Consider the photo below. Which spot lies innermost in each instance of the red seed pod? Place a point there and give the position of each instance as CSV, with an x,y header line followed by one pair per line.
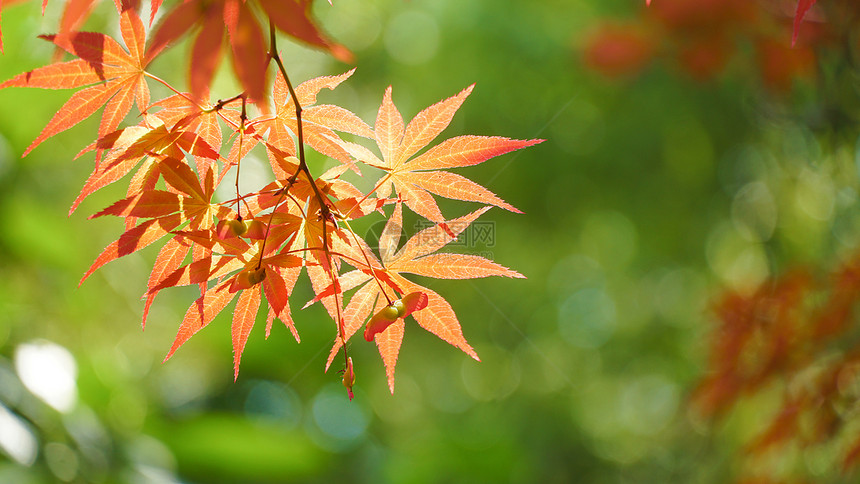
x,y
349,377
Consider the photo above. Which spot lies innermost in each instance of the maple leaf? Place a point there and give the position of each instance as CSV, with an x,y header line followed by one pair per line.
x,y
254,246
417,256
293,17
201,118
75,13
416,178
129,146
216,18
188,202
276,275
115,77
319,122
244,317
236,19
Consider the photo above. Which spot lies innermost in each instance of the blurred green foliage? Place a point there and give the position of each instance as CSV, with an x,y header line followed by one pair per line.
x,y
650,195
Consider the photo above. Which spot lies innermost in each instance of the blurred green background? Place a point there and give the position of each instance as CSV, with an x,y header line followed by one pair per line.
x,y
650,195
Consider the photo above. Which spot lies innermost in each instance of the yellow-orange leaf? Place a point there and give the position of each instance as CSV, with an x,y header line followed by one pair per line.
x,y
244,317
410,178
201,313
388,342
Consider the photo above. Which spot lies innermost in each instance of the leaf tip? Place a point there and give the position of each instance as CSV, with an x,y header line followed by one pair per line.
x,y
30,148
86,276
342,54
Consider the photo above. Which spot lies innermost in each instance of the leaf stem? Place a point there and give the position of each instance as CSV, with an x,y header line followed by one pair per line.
x,y
325,210
242,119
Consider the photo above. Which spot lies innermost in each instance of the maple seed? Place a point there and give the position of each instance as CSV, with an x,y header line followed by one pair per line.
x,y
255,229
349,377
257,275
394,310
238,227
400,307
414,301
226,229
250,278
391,312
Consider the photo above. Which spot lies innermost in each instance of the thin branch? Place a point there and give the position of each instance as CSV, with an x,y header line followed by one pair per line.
x,y
242,119
325,211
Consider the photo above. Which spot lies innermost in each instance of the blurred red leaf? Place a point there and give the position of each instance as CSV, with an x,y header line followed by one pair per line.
x,y
617,50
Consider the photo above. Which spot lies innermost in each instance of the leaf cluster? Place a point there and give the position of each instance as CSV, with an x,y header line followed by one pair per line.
x,y
254,247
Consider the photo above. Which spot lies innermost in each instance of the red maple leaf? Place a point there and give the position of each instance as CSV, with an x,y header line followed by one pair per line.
x,y
129,146
186,202
115,77
246,38
803,6
75,13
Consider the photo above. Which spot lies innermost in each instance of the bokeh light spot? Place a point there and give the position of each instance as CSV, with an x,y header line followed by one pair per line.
x,y
62,461
16,438
337,417
271,402
754,212
814,195
648,403
738,262
49,371
355,24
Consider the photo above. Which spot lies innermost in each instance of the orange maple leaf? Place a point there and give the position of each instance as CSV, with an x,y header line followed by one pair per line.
x,y
200,314
276,274
416,178
319,122
417,256
129,146
187,202
118,77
